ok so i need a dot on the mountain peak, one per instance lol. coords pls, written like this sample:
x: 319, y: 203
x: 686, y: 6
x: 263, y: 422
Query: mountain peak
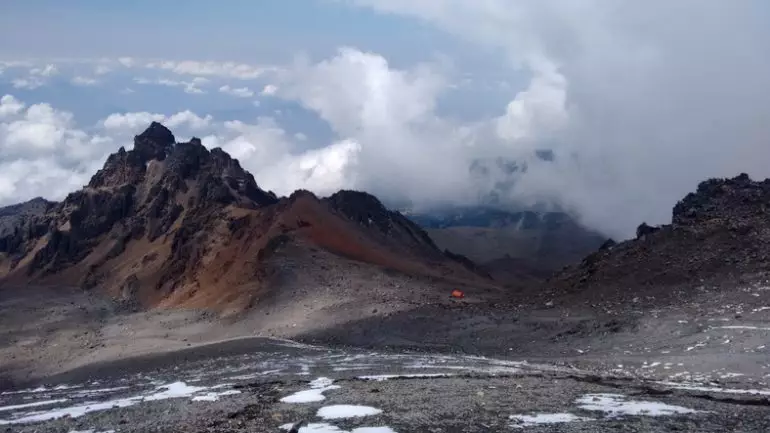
x: 154, y: 143
x: 721, y: 229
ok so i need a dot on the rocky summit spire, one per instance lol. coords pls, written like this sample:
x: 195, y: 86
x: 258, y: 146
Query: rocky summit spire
x: 154, y: 143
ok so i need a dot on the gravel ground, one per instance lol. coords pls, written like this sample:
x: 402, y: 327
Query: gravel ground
x: 208, y: 392
x: 697, y: 363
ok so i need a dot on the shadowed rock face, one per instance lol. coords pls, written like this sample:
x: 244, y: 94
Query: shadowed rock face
x: 515, y: 247
x: 720, y: 231
x: 365, y: 209
x: 169, y: 222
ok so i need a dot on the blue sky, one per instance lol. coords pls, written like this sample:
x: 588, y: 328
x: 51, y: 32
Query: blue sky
x: 268, y: 30
x: 637, y: 101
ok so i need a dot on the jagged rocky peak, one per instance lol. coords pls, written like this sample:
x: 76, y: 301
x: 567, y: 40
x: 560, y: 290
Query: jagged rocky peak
x: 219, y: 177
x: 154, y: 143
x: 128, y: 167
x: 723, y: 200
x: 365, y: 209
x: 361, y: 207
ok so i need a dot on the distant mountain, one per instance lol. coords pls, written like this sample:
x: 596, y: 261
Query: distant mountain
x: 524, y: 243
x: 14, y: 216
x: 176, y: 224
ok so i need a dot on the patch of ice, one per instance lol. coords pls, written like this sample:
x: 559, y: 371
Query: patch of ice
x: 72, y: 411
x: 695, y: 347
x: 342, y: 411
x: 295, y: 344
x: 35, y: 404
x: 696, y: 387
x: 328, y: 428
x: 214, y: 396
x: 255, y: 375
x: 384, y: 377
x: 40, y: 389
x: 91, y: 431
x: 373, y: 430
x: 616, y: 405
x: 314, y: 394
x: 545, y: 418
x: 86, y: 392
x: 754, y: 328
x: 321, y: 382
x: 174, y: 390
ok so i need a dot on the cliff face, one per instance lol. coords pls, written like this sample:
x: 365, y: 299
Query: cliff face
x: 169, y: 223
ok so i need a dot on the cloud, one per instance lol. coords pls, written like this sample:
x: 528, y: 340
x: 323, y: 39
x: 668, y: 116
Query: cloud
x: 638, y: 102
x: 190, y: 87
x: 610, y: 111
x: 44, y: 153
x: 239, y: 71
x: 84, y: 81
x: 281, y: 165
x: 102, y: 70
x: 239, y: 92
x: 10, y: 106
x: 270, y: 89
x: 48, y: 70
x: 138, y: 120
x: 30, y: 83
x: 389, y: 114
x: 127, y: 62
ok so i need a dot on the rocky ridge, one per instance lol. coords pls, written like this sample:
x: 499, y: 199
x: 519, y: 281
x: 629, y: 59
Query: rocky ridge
x: 169, y: 223
x: 721, y: 231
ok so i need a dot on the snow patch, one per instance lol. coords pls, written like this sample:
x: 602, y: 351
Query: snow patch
x: 38, y: 403
x: 384, y: 377
x: 328, y: 428
x: 314, y: 394
x: 617, y: 405
x: 214, y: 396
x: 91, y: 431
x: 72, y: 411
x: 545, y: 418
x: 696, y: 387
x: 755, y: 328
x: 342, y: 411
x: 174, y: 390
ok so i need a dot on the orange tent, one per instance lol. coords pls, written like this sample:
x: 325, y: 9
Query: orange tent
x: 458, y: 294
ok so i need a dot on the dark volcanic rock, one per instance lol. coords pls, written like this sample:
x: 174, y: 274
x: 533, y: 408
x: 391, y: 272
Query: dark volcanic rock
x: 644, y: 229
x: 720, y: 231
x: 366, y: 210
x: 154, y: 143
x: 124, y: 203
x: 13, y: 217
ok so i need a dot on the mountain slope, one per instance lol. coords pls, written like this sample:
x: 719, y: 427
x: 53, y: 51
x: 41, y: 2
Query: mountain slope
x: 513, y: 246
x: 720, y: 232
x: 174, y: 224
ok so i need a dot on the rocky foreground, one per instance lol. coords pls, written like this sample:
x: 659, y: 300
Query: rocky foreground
x: 273, y: 385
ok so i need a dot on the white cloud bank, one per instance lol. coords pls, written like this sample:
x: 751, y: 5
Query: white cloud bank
x: 44, y: 153
x: 637, y: 102
x: 238, y: 92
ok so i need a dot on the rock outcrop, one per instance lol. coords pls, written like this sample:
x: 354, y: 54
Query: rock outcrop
x: 721, y: 231
x: 169, y: 223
